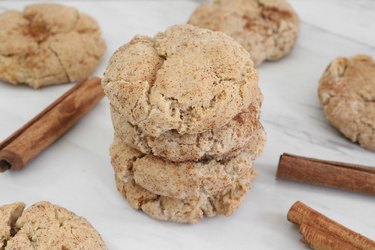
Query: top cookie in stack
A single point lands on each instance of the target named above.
(185, 106)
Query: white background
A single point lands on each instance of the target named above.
(76, 173)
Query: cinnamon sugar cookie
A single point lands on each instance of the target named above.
(184, 192)
(182, 211)
(45, 226)
(48, 44)
(185, 79)
(347, 93)
(268, 29)
(221, 143)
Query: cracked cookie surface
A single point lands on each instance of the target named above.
(47, 226)
(268, 29)
(225, 142)
(185, 79)
(48, 44)
(190, 193)
(347, 93)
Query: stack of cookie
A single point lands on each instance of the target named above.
(185, 108)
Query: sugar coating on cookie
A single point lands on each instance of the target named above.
(46, 226)
(183, 193)
(347, 93)
(268, 29)
(225, 142)
(48, 44)
(185, 79)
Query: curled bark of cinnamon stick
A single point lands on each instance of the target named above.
(45, 128)
(320, 232)
(327, 173)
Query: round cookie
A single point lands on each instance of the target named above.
(182, 211)
(192, 207)
(186, 79)
(46, 226)
(48, 44)
(268, 29)
(221, 143)
(187, 180)
(347, 93)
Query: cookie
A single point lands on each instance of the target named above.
(268, 29)
(48, 44)
(221, 143)
(46, 226)
(181, 211)
(220, 198)
(8, 216)
(186, 79)
(347, 94)
(187, 180)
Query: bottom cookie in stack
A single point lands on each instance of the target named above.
(182, 192)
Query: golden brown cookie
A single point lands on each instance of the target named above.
(48, 44)
(225, 142)
(182, 211)
(347, 93)
(268, 29)
(186, 79)
(182, 193)
(46, 226)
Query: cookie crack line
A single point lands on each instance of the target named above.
(366, 99)
(151, 84)
(60, 62)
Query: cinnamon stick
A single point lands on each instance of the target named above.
(320, 232)
(340, 175)
(50, 124)
(318, 239)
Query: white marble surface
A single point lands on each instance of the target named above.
(75, 172)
